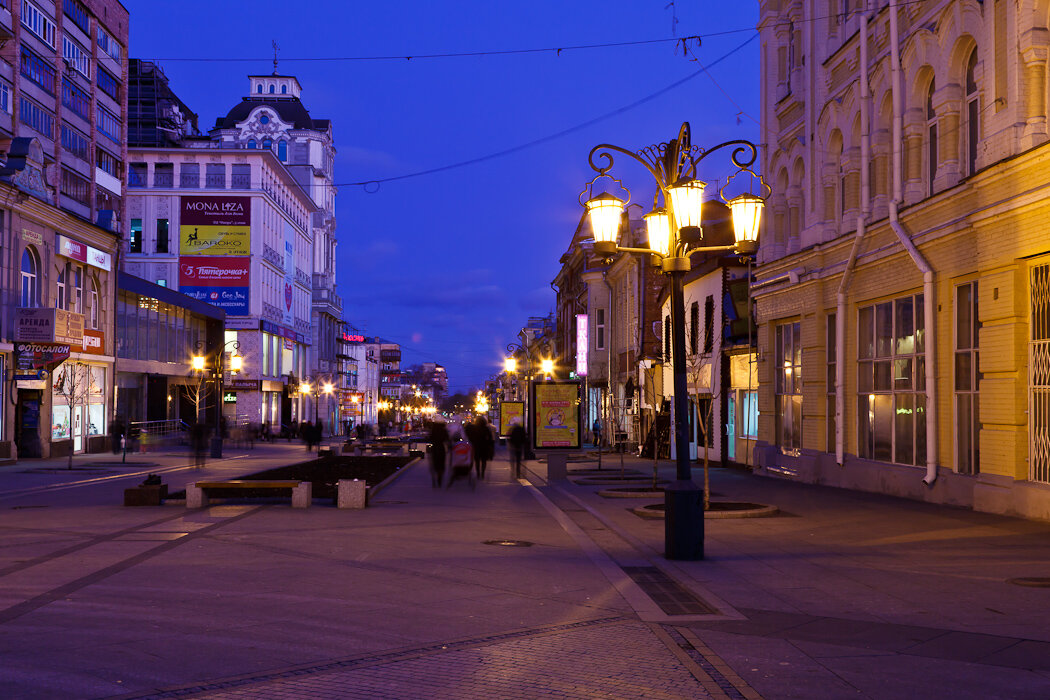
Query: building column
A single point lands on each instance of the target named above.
(914, 132)
(947, 102)
(1034, 95)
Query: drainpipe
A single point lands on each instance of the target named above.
(916, 256)
(847, 274)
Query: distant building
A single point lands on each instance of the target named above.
(429, 377)
(157, 118)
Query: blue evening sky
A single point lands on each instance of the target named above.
(451, 264)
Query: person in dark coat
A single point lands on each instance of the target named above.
(439, 444)
(516, 440)
(481, 441)
(116, 434)
(199, 435)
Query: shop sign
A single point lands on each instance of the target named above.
(75, 250)
(289, 344)
(582, 345)
(237, 323)
(353, 338)
(221, 282)
(34, 237)
(215, 225)
(48, 325)
(32, 357)
(94, 342)
(245, 384)
(229, 397)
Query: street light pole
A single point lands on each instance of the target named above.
(674, 234)
(236, 364)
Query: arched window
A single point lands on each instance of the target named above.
(931, 139)
(251, 144)
(282, 150)
(30, 278)
(93, 312)
(267, 145)
(271, 89)
(973, 112)
(258, 88)
(284, 89)
(60, 289)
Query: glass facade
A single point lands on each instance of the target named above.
(148, 329)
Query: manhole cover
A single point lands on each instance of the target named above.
(508, 543)
(1031, 581)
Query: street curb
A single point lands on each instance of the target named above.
(761, 511)
(374, 491)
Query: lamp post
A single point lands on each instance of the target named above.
(200, 362)
(314, 389)
(674, 227)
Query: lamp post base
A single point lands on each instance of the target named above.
(216, 447)
(683, 521)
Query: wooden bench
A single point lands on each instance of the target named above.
(197, 496)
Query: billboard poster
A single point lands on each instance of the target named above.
(510, 412)
(221, 282)
(556, 418)
(287, 317)
(215, 225)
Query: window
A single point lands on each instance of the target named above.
(694, 328)
(109, 44)
(107, 124)
(162, 283)
(748, 414)
(76, 56)
(34, 19)
(76, 143)
(5, 96)
(931, 139)
(215, 176)
(709, 324)
(77, 289)
(831, 344)
(60, 289)
(788, 369)
(241, 176)
(251, 144)
(264, 119)
(162, 235)
(973, 114)
(271, 89)
(76, 100)
(76, 187)
(30, 278)
(135, 239)
(93, 312)
(967, 379)
(74, 10)
(258, 89)
(108, 84)
(37, 70)
(599, 329)
(282, 150)
(190, 175)
(138, 174)
(267, 145)
(109, 163)
(163, 174)
(891, 381)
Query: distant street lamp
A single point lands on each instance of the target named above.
(674, 234)
(199, 364)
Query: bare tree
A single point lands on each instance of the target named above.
(701, 372)
(73, 381)
(650, 397)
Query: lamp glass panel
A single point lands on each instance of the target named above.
(236, 363)
(659, 225)
(605, 211)
(747, 215)
(510, 364)
(198, 363)
(687, 202)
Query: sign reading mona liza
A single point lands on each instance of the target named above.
(557, 414)
(215, 225)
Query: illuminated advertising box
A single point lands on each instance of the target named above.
(510, 412)
(581, 345)
(215, 225)
(556, 415)
(221, 282)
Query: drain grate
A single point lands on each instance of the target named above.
(508, 543)
(672, 597)
(1031, 581)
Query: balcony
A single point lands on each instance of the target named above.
(323, 297)
(7, 27)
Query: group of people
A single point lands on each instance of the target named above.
(482, 438)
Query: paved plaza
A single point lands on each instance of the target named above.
(424, 595)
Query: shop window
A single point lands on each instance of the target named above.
(788, 385)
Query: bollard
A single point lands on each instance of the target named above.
(302, 495)
(352, 493)
(195, 496)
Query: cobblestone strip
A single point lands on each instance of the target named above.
(726, 682)
(357, 663)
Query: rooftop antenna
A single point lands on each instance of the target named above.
(274, 42)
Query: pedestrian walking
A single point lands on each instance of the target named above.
(516, 441)
(482, 443)
(116, 434)
(596, 429)
(199, 435)
(439, 444)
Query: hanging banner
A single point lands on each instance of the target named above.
(556, 416)
(287, 315)
(221, 282)
(510, 413)
(215, 225)
(581, 345)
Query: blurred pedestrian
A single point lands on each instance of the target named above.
(516, 442)
(482, 443)
(116, 434)
(596, 429)
(199, 434)
(439, 444)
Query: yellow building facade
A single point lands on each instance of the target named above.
(903, 292)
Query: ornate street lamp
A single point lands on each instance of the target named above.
(199, 363)
(674, 231)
